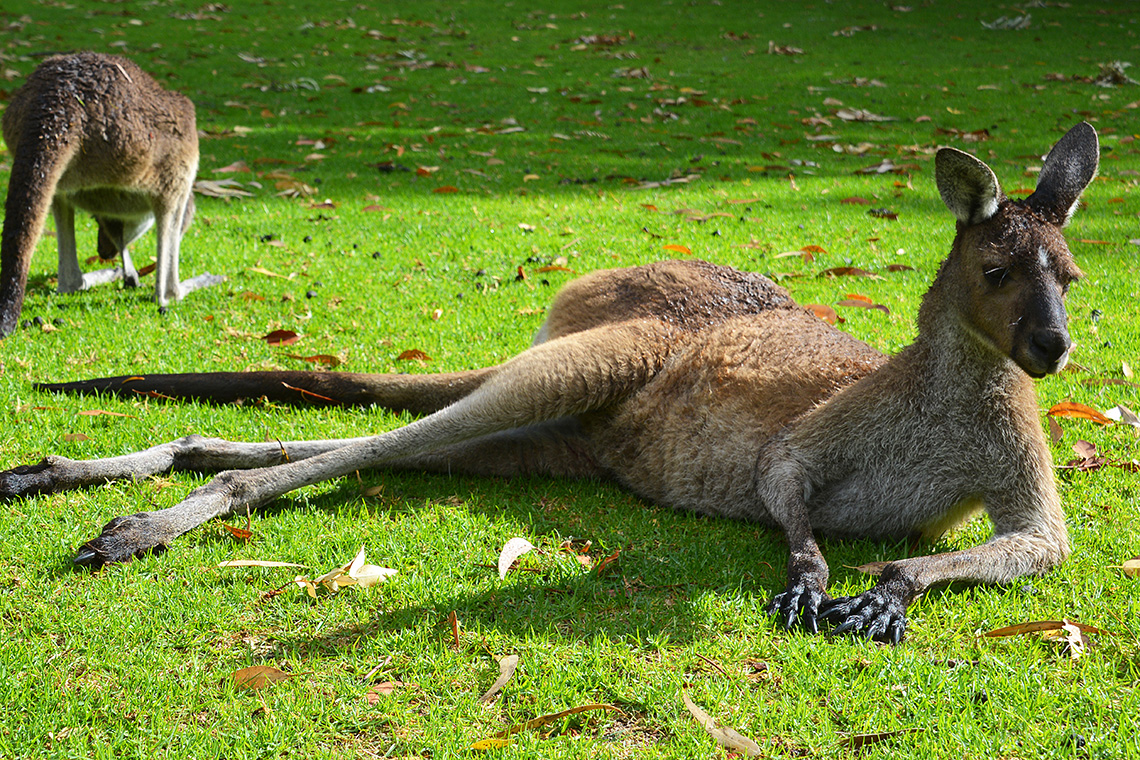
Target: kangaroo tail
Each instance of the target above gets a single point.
(45, 144)
(418, 394)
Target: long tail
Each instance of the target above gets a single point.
(418, 394)
(42, 154)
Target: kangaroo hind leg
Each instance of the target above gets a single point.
(560, 378)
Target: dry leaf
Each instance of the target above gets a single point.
(684, 249)
(847, 272)
(507, 667)
(242, 534)
(872, 568)
(608, 561)
(1074, 410)
(281, 338)
(1039, 625)
(1055, 432)
(413, 354)
(325, 360)
(1119, 414)
(725, 737)
(74, 437)
(511, 551)
(258, 677)
(446, 189)
(824, 312)
(257, 563)
(1131, 567)
(542, 720)
(858, 741)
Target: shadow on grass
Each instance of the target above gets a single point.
(668, 563)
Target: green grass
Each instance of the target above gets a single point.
(134, 661)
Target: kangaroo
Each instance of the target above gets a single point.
(708, 389)
(95, 132)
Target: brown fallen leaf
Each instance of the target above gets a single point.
(74, 437)
(446, 189)
(1036, 626)
(544, 720)
(507, 667)
(872, 568)
(385, 689)
(258, 677)
(728, 738)
(862, 302)
(281, 338)
(858, 741)
(824, 312)
(325, 360)
(98, 412)
(899, 268)
(856, 201)
(413, 354)
(683, 249)
(242, 534)
(847, 272)
(605, 563)
(1078, 411)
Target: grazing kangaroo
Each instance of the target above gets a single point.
(707, 389)
(95, 132)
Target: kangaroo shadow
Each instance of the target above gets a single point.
(667, 562)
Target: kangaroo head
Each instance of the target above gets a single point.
(1009, 267)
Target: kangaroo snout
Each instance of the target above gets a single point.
(1048, 351)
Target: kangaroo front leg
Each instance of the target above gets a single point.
(781, 487)
(880, 612)
(560, 378)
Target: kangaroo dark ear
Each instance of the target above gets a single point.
(1068, 170)
(969, 188)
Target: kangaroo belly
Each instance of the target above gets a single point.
(690, 438)
(112, 202)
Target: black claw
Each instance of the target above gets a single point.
(88, 557)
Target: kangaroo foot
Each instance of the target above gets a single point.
(122, 539)
(877, 614)
(799, 602)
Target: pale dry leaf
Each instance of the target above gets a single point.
(1131, 567)
(511, 551)
(257, 563)
(725, 737)
(507, 667)
(1123, 415)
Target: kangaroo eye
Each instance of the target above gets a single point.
(996, 276)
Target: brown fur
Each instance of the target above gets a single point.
(96, 133)
(707, 389)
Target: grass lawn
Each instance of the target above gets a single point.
(425, 176)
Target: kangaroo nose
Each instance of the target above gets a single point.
(1049, 346)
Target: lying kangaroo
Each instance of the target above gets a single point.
(96, 133)
(707, 389)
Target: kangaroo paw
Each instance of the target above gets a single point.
(122, 539)
(799, 602)
(877, 614)
(27, 480)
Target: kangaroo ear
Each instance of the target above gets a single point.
(969, 188)
(1068, 170)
